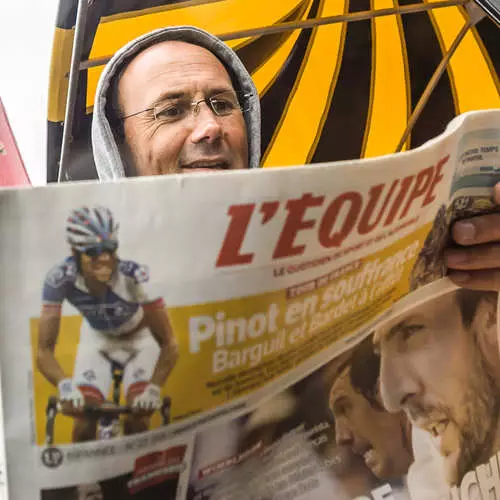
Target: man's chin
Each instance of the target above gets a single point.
(204, 170)
(103, 278)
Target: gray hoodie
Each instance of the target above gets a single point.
(107, 156)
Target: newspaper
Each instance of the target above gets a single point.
(321, 352)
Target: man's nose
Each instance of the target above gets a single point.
(343, 435)
(398, 384)
(104, 257)
(206, 127)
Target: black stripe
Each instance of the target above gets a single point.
(490, 34)
(66, 15)
(255, 53)
(54, 140)
(119, 6)
(424, 55)
(274, 101)
(344, 127)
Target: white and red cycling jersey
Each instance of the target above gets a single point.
(118, 311)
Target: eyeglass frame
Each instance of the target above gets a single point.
(195, 105)
(103, 247)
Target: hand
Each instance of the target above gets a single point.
(149, 399)
(478, 265)
(69, 393)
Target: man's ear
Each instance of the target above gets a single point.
(485, 325)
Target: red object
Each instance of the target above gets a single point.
(157, 467)
(12, 171)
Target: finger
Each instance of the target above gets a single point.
(486, 280)
(496, 193)
(480, 229)
(477, 257)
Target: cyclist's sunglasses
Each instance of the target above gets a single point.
(103, 247)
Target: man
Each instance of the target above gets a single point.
(440, 364)
(380, 438)
(131, 134)
(122, 324)
(175, 100)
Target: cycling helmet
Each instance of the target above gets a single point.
(92, 230)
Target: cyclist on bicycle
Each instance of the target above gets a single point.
(121, 323)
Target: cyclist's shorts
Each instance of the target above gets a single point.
(96, 350)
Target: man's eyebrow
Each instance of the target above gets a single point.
(377, 337)
(169, 95)
(179, 94)
(221, 90)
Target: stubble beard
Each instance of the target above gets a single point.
(478, 426)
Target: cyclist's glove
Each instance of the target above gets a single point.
(68, 391)
(149, 399)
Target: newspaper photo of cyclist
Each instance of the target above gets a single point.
(439, 364)
(126, 350)
(382, 440)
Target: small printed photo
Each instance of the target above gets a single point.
(333, 420)
(100, 372)
(439, 367)
(155, 476)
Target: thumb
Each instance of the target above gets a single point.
(496, 193)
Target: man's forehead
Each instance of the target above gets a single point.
(342, 380)
(170, 67)
(168, 55)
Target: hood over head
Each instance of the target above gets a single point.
(109, 162)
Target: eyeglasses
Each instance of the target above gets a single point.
(103, 247)
(222, 104)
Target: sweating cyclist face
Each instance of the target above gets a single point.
(98, 266)
(371, 433)
(434, 368)
(182, 113)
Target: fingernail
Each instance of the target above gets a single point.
(464, 231)
(460, 278)
(496, 193)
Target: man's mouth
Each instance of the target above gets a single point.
(442, 433)
(446, 440)
(437, 428)
(368, 454)
(208, 164)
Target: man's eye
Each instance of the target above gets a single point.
(340, 410)
(411, 330)
(171, 112)
(222, 105)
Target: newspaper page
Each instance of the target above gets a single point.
(289, 317)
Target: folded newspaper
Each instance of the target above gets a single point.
(277, 334)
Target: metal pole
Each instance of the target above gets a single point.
(424, 98)
(81, 18)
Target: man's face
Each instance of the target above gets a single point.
(90, 492)
(432, 367)
(163, 76)
(98, 267)
(373, 434)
